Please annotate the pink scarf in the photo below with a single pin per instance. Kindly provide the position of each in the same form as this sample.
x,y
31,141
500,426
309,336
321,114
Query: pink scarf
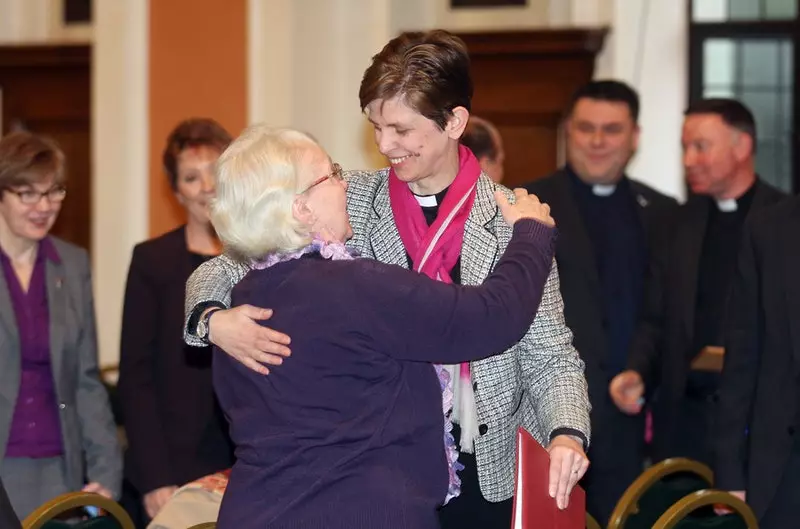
x,y
435,249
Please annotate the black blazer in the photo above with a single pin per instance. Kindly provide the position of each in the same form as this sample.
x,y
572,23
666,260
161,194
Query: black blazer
x,y
580,284
759,385
663,345
176,432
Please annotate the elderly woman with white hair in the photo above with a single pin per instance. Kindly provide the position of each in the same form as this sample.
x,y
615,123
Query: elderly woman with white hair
x,y
350,433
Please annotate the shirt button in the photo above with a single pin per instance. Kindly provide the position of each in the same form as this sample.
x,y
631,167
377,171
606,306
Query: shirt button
x,y
62,406
482,429
31,425
29,400
474,386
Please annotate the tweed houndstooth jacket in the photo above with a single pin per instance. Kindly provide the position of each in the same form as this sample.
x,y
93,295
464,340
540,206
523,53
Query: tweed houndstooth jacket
x,y
538,384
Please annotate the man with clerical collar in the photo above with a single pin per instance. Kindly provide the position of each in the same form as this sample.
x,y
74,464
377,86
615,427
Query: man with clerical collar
x,y
608,225
688,290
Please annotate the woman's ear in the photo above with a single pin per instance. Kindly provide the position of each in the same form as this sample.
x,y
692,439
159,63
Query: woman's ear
x,y
301,211
457,122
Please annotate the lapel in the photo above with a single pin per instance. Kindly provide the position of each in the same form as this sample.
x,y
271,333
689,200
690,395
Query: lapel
x,y
573,246
791,279
480,236
57,307
384,239
642,210
10,363
689,248
7,317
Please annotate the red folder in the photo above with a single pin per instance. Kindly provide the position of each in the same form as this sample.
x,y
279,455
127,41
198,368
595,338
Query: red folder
x,y
533,506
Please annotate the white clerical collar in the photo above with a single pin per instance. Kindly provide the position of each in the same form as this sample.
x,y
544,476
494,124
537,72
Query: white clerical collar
x,y
726,205
604,190
426,201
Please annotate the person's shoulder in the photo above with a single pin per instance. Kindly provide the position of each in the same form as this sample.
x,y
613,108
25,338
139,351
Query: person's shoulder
x,y
67,252
545,183
773,218
159,247
365,182
652,195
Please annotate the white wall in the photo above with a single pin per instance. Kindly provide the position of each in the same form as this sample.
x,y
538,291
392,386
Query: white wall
x,y
309,56
120,172
38,21
648,49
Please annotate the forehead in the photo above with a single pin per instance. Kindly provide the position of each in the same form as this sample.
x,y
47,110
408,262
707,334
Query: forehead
x,y
392,111
198,154
703,126
596,110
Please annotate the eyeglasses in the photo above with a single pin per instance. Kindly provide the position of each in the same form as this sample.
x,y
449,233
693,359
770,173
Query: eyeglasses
x,y
30,197
336,175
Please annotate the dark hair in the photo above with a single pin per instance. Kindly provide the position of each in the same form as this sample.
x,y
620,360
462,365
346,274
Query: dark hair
x,y
26,158
479,138
430,70
734,113
189,134
607,90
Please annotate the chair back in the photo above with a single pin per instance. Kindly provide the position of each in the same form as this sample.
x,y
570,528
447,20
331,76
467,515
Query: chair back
x,y
679,516
44,517
656,489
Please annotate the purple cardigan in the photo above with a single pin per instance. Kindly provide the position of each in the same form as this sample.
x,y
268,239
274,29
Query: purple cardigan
x,y
348,432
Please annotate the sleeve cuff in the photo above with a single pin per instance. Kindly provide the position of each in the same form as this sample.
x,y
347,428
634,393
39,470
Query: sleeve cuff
x,y
194,317
572,432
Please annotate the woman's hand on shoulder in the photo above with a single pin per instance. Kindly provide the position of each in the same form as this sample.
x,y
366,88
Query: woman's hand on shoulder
x,y
526,206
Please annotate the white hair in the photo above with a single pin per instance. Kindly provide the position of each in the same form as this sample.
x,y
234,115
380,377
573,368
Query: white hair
x,y
256,185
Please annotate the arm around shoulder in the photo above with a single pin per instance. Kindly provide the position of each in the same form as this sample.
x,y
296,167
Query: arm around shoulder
x,y
209,285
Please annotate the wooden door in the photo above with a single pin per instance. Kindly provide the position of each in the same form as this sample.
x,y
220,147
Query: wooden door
x,y
523,82
47,90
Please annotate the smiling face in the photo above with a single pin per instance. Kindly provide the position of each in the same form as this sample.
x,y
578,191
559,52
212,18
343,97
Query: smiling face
x,y
419,151
601,139
194,185
29,222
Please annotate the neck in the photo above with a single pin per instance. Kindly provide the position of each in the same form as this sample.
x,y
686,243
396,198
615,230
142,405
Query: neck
x,y
740,185
201,238
439,181
19,250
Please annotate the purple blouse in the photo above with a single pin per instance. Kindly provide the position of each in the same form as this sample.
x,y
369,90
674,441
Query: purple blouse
x,y
35,427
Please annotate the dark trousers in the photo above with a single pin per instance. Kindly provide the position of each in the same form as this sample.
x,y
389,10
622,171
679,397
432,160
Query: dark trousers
x,y
471,510
692,437
782,510
617,458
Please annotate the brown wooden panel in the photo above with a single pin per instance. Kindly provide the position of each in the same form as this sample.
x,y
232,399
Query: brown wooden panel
x,y
523,81
47,89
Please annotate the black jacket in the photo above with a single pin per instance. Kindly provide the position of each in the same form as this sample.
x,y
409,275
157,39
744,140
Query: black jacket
x,y
663,345
176,432
759,386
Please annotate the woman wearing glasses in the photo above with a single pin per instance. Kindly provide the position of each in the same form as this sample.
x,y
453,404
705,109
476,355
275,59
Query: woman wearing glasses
x,y
175,430
57,433
350,433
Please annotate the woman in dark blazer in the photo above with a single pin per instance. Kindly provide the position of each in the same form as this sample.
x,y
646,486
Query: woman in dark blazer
x,y
175,430
57,433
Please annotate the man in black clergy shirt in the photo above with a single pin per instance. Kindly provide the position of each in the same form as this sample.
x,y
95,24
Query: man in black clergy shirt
x,y
688,289
607,226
